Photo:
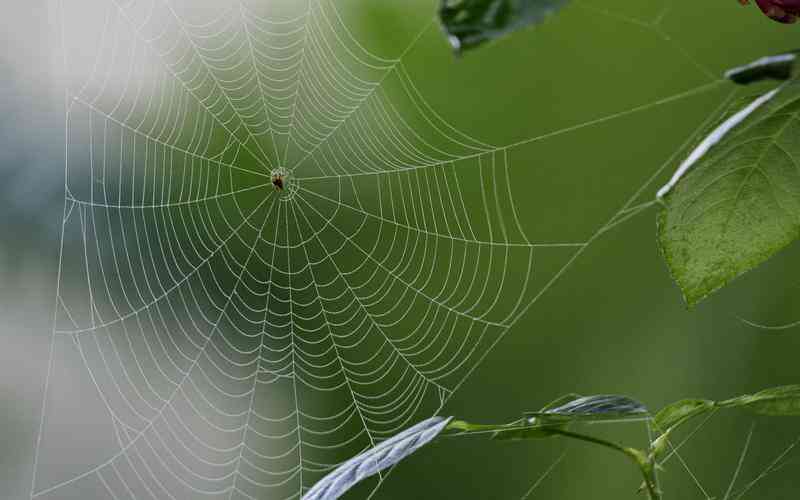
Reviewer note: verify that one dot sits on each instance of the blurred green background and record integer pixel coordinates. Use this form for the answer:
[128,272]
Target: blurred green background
[612,323]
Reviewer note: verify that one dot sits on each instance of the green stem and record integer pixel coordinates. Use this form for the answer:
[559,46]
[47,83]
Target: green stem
[639,458]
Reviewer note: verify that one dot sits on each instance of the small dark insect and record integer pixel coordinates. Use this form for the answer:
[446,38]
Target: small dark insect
[277,181]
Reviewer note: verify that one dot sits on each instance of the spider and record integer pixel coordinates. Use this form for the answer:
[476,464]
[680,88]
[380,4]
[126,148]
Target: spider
[277,180]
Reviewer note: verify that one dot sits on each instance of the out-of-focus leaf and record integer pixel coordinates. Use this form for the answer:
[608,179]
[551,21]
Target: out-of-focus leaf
[779,67]
[470,23]
[740,202]
[777,401]
[679,412]
[376,459]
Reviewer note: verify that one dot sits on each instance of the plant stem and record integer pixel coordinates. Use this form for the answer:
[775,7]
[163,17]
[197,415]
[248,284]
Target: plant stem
[640,459]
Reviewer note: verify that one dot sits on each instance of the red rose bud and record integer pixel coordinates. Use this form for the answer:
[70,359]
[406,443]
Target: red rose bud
[783,11]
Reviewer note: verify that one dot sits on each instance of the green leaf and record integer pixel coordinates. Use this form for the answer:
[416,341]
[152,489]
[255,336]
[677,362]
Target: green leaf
[559,414]
[559,401]
[531,428]
[593,408]
[677,413]
[525,429]
[376,459]
[740,202]
[470,23]
[519,429]
[777,401]
[778,67]
[467,427]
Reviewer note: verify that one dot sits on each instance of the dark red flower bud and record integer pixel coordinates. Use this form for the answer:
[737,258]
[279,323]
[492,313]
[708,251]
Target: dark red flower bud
[783,11]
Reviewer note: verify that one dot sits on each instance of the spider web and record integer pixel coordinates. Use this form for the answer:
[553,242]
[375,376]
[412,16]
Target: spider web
[234,341]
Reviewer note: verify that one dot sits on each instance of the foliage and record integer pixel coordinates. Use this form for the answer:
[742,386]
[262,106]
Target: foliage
[740,203]
[554,420]
[376,459]
[470,23]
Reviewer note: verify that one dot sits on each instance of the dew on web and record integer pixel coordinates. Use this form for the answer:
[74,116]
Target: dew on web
[272,257]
